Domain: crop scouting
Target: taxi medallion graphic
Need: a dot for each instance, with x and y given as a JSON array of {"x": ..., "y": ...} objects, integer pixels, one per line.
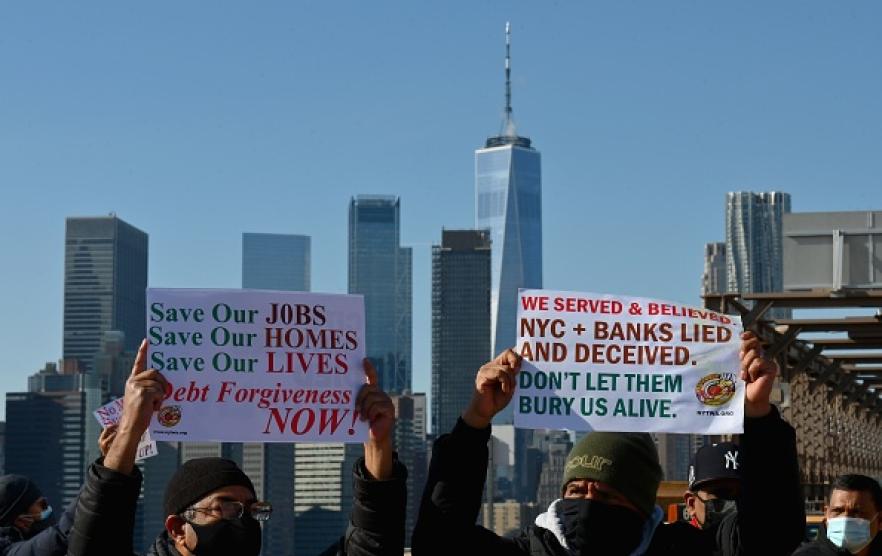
[
  {"x": 169, "y": 416},
  {"x": 715, "y": 389}
]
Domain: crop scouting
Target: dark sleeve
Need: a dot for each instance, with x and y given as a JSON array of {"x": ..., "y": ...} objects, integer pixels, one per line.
[
  {"x": 452, "y": 499},
  {"x": 376, "y": 524},
  {"x": 50, "y": 542},
  {"x": 771, "y": 508},
  {"x": 105, "y": 516}
]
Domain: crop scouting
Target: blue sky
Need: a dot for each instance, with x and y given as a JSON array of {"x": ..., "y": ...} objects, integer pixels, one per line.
[{"x": 197, "y": 121}]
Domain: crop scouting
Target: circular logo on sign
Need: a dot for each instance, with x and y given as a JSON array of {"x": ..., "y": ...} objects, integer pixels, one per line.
[
  {"x": 169, "y": 415},
  {"x": 715, "y": 389}
]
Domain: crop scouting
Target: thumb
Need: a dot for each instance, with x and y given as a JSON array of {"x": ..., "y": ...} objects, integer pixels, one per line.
[{"x": 370, "y": 372}]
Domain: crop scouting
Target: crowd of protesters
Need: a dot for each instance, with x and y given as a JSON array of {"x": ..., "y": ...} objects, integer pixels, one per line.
[{"x": 742, "y": 499}]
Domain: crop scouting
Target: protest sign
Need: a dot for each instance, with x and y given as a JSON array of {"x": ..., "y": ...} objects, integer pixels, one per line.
[
  {"x": 110, "y": 414},
  {"x": 630, "y": 364},
  {"x": 256, "y": 365}
]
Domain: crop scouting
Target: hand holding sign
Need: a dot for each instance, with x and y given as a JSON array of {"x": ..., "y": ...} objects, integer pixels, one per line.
[
  {"x": 495, "y": 386},
  {"x": 145, "y": 390},
  {"x": 759, "y": 375},
  {"x": 375, "y": 407}
]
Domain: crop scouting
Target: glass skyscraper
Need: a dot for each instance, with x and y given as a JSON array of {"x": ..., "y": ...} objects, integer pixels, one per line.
[
  {"x": 460, "y": 321},
  {"x": 105, "y": 282},
  {"x": 275, "y": 262},
  {"x": 754, "y": 253},
  {"x": 508, "y": 202},
  {"x": 380, "y": 269}
]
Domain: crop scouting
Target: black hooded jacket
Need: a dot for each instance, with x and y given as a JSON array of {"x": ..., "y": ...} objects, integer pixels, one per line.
[
  {"x": 105, "y": 517},
  {"x": 770, "y": 482}
]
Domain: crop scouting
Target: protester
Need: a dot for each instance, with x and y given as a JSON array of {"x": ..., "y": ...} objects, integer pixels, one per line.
[
  {"x": 211, "y": 505},
  {"x": 714, "y": 485},
  {"x": 852, "y": 518},
  {"x": 610, "y": 484},
  {"x": 27, "y": 522}
]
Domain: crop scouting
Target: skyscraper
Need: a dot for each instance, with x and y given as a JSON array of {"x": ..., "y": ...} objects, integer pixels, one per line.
[
  {"x": 508, "y": 202},
  {"x": 460, "y": 321},
  {"x": 713, "y": 280},
  {"x": 105, "y": 280},
  {"x": 380, "y": 269},
  {"x": 754, "y": 253},
  {"x": 274, "y": 262},
  {"x": 51, "y": 434},
  {"x": 410, "y": 443}
]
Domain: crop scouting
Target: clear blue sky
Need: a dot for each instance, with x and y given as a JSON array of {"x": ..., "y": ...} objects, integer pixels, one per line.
[{"x": 196, "y": 121}]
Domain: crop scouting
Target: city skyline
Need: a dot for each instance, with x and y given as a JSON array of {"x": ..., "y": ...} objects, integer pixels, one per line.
[{"x": 668, "y": 108}]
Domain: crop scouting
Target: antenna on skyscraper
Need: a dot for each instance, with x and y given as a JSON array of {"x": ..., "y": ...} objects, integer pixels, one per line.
[{"x": 508, "y": 128}]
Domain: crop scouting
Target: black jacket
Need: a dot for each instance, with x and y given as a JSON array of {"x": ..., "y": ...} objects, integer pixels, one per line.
[
  {"x": 770, "y": 519},
  {"x": 823, "y": 547},
  {"x": 105, "y": 516},
  {"x": 49, "y": 542}
]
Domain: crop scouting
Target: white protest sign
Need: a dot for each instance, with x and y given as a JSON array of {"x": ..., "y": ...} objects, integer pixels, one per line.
[
  {"x": 629, "y": 364},
  {"x": 257, "y": 365},
  {"x": 110, "y": 414}
]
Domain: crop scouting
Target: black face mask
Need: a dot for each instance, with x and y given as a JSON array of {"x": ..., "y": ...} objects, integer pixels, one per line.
[
  {"x": 228, "y": 537},
  {"x": 592, "y": 527},
  {"x": 716, "y": 510}
]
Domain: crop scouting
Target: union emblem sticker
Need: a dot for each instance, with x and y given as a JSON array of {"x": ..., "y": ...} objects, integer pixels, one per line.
[
  {"x": 169, "y": 416},
  {"x": 715, "y": 389}
]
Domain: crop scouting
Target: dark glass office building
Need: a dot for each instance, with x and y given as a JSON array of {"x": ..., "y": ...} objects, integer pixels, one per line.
[
  {"x": 460, "y": 321},
  {"x": 105, "y": 278}
]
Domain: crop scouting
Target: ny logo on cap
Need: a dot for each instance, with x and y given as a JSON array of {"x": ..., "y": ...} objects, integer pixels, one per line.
[{"x": 731, "y": 458}]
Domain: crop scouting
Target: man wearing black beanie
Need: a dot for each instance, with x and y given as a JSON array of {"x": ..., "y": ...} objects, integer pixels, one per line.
[
  {"x": 211, "y": 505},
  {"x": 608, "y": 490}
]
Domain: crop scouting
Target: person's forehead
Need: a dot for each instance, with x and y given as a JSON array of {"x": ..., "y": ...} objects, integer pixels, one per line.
[
  {"x": 236, "y": 493},
  {"x": 600, "y": 485},
  {"x": 852, "y": 499}
]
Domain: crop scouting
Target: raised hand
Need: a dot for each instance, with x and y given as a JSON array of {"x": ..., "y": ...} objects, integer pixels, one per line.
[
  {"x": 375, "y": 407},
  {"x": 145, "y": 390},
  {"x": 495, "y": 385},
  {"x": 758, "y": 373}
]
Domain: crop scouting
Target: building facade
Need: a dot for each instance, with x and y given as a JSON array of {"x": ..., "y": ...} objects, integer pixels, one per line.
[
  {"x": 754, "y": 252},
  {"x": 276, "y": 262},
  {"x": 105, "y": 282},
  {"x": 460, "y": 321},
  {"x": 381, "y": 270},
  {"x": 713, "y": 280}
]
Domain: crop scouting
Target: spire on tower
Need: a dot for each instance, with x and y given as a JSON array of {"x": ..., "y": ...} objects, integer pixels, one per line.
[{"x": 508, "y": 134}]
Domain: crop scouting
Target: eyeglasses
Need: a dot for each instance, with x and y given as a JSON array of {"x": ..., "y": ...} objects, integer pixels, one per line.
[{"x": 231, "y": 509}]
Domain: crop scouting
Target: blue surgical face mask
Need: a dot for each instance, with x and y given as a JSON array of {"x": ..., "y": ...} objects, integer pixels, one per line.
[
  {"x": 44, "y": 515},
  {"x": 850, "y": 533}
]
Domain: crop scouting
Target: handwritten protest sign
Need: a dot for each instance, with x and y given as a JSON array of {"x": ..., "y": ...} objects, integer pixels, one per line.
[
  {"x": 110, "y": 413},
  {"x": 616, "y": 363},
  {"x": 257, "y": 366}
]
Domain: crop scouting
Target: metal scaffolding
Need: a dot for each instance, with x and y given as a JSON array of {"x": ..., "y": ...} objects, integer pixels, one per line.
[{"x": 831, "y": 376}]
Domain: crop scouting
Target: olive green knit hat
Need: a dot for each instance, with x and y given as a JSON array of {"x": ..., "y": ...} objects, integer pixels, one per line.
[{"x": 627, "y": 461}]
